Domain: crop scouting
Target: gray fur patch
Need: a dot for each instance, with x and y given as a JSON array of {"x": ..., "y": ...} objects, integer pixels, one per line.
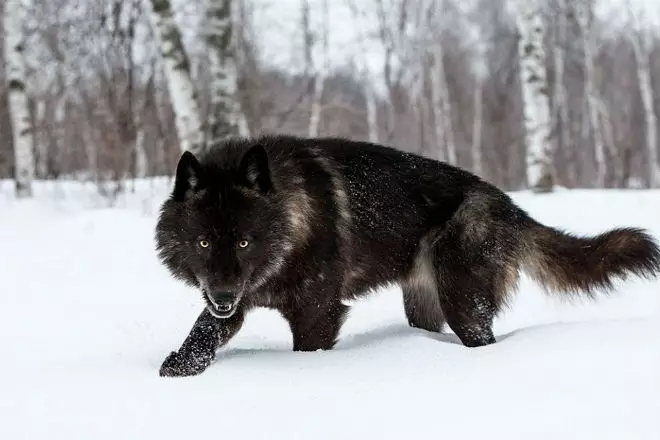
[
  {"x": 340, "y": 196},
  {"x": 269, "y": 271},
  {"x": 345, "y": 218},
  {"x": 420, "y": 292},
  {"x": 299, "y": 209}
]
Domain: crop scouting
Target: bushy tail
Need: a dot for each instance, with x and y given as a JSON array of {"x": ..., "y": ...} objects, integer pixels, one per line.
[{"x": 563, "y": 262}]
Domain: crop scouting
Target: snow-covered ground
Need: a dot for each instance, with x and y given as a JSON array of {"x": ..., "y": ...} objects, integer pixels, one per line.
[{"x": 87, "y": 315}]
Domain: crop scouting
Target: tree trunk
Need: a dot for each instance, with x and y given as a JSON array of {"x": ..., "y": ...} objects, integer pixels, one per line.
[
  {"x": 477, "y": 156},
  {"x": 366, "y": 78},
  {"x": 18, "y": 100},
  {"x": 650, "y": 119},
  {"x": 40, "y": 140},
  {"x": 141, "y": 158},
  {"x": 320, "y": 74},
  {"x": 442, "y": 106},
  {"x": 317, "y": 96},
  {"x": 224, "y": 118},
  {"x": 584, "y": 16},
  {"x": 177, "y": 73},
  {"x": 561, "y": 102},
  {"x": 646, "y": 89},
  {"x": 642, "y": 47},
  {"x": 618, "y": 171},
  {"x": 536, "y": 105},
  {"x": 372, "y": 116}
]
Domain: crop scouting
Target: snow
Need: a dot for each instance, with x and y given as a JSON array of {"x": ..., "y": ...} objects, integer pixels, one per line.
[{"x": 87, "y": 314}]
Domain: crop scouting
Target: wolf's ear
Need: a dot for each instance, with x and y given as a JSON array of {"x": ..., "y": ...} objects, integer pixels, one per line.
[
  {"x": 254, "y": 172},
  {"x": 189, "y": 178}
]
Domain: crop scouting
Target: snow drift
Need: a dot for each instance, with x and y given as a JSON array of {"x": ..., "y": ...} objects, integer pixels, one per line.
[{"x": 87, "y": 315}]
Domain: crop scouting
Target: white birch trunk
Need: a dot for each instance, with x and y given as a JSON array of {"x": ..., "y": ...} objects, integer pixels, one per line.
[
  {"x": 642, "y": 55},
  {"x": 366, "y": 78},
  {"x": 317, "y": 97},
  {"x": 477, "y": 156},
  {"x": 372, "y": 114},
  {"x": 610, "y": 145},
  {"x": 646, "y": 87},
  {"x": 442, "y": 114},
  {"x": 321, "y": 71},
  {"x": 536, "y": 104},
  {"x": 438, "y": 126},
  {"x": 584, "y": 16},
  {"x": 141, "y": 162},
  {"x": 225, "y": 115},
  {"x": 41, "y": 142},
  {"x": 387, "y": 37},
  {"x": 18, "y": 100},
  {"x": 90, "y": 137},
  {"x": 177, "y": 73},
  {"x": 243, "y": 126},
  {"x": 561, "y": 102}
]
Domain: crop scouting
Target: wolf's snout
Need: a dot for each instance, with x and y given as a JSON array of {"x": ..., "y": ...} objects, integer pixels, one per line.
[
  {"x": 221, "y": 304},
  {"x": 223, "y": 301}
]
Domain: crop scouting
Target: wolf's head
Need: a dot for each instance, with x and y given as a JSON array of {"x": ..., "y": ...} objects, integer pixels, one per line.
[{"x": 222, "y": 230}]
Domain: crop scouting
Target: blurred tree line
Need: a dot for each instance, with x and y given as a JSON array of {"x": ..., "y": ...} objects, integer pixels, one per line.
[{"x": 444, "y": 78}]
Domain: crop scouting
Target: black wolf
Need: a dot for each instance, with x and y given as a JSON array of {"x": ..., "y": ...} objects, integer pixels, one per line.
[{"x": 299, "y": 225}]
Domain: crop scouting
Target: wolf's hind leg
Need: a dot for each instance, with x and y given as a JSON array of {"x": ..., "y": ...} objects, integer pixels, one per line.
[
  {"x": 468, "y": 284},
  {"x": 470, "y": 317},
  {"x": 422, "y": 307},
  {"x": 420, "y": 292},
  {"x": 198, "y": 350}
]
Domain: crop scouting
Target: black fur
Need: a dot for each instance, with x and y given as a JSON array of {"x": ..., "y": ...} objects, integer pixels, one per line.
[{"x": 299, "y": 225}]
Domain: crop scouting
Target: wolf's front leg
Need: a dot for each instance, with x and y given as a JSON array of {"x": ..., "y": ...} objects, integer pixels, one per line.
[
  {"x": 198, "y": 350},
  {"x": 315, "y": 326}
]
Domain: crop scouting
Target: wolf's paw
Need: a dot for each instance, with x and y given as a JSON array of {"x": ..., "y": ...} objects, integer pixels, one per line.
[{"x": 179, "y": 365}]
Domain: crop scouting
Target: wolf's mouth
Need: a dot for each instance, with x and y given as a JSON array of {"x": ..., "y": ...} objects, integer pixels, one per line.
[{"x": 222, "y": 307}]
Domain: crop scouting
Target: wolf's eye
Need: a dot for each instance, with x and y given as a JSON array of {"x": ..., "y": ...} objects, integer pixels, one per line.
[
  {"x": 204, "y": 243},
  {"x": 243, "y": 244}
]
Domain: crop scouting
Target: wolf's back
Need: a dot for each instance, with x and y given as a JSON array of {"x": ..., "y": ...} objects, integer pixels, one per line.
[{"x": 567, "y": 263}]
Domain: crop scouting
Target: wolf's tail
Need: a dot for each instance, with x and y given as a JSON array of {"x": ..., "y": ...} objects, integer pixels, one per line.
[{"x": 581, "y": 265}]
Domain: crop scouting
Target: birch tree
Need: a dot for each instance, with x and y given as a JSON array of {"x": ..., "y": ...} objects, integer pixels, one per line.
[
  {"x": 444, "y": 133},
  {"x": 441, "y": 102},
  {"x": 477, "y": 130},
  {"x": 245, "y": 53},
  {"x": 225, "y": 115},
  {"x": 320, "y": 68},
  {"x": 480, "y": 73},
  {"x": 177, "y": 73},
  {"x": 18, "y": 100},
  {"x": 365, "y": 76},
  {"x": 561, "y": 102},
  {"x": 640, "y": 39},
  {"x": 391, "y": 29},
  {"x": 536, "y": 103},
  {"x": 372, "y": 113},
  {"x": 585, "y": 17}
]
